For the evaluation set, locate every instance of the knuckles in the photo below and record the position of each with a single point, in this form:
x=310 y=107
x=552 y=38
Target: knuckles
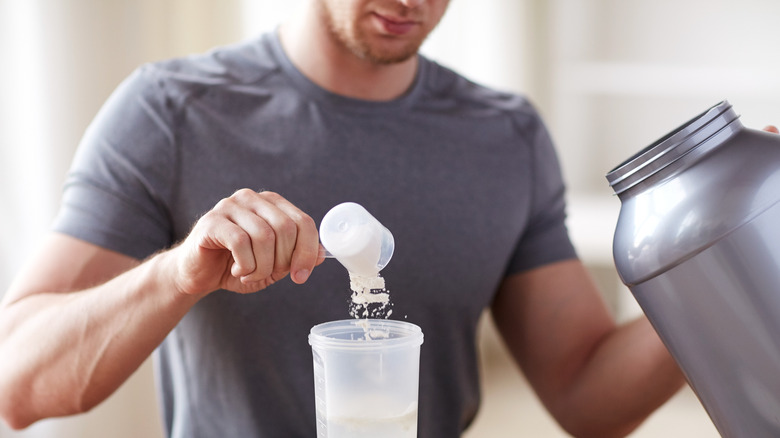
x=223 y=205
x=287 y=227
x=237 y=238
x=265 y=234
x=305 y=220
x=243 y=194
x=247 y=196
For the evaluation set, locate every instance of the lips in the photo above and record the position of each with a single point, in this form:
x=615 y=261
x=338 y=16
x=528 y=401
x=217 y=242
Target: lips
x=393 y=25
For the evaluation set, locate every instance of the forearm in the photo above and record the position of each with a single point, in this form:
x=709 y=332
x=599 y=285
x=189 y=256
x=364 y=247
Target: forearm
x=65 y=352
x=66 y=346
x=627 y=377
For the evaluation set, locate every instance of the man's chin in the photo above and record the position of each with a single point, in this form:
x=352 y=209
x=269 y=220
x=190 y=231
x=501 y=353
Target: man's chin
x=389 y=57
x=389 y=60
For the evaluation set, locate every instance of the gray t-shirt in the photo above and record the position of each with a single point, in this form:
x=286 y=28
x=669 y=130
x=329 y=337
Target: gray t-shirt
x=466 y=178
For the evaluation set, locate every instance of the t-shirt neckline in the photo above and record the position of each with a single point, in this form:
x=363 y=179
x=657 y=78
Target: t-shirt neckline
x=308 y=87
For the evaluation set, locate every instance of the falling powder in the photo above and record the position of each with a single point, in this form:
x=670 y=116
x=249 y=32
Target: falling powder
x=370 y=298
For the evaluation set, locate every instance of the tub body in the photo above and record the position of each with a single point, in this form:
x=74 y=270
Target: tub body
x=698 y=244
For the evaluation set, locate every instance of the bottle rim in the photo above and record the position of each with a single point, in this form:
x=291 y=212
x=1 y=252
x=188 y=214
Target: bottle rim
x=355 y=334
x=671 y=147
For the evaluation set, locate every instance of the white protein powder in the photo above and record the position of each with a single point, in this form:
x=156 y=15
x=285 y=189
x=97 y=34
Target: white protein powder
x=375 y=425
x=370 y=298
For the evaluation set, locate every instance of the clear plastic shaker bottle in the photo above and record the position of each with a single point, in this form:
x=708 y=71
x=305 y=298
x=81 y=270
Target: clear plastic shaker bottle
x=366 y=377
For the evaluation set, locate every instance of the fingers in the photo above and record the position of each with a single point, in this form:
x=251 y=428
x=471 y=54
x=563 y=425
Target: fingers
x=772 y=128
x=266 y=235
x=250 y=239
x=304 y=251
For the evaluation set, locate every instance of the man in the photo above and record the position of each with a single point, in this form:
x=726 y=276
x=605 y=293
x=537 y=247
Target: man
x=337 y=106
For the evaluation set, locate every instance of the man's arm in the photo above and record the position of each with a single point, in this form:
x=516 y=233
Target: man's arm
x=596 y=378
x=80 y=319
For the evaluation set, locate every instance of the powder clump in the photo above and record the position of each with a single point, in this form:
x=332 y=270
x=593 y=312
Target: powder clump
x=370 y=298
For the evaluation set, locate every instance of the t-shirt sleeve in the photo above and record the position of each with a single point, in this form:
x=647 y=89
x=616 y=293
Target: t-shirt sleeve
x=116 y=194
x=545 y=238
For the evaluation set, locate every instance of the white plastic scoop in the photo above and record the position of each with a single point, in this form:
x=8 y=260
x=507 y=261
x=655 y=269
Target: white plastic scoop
x=356 y=239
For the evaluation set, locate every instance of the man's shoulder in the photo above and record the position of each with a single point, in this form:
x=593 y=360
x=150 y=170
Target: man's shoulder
x=443 y=84
x=244 y=62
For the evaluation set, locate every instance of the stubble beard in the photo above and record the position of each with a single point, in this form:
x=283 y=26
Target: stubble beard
x=356 y=42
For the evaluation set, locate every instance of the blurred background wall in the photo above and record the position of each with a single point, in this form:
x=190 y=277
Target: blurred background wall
x=609 y=76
